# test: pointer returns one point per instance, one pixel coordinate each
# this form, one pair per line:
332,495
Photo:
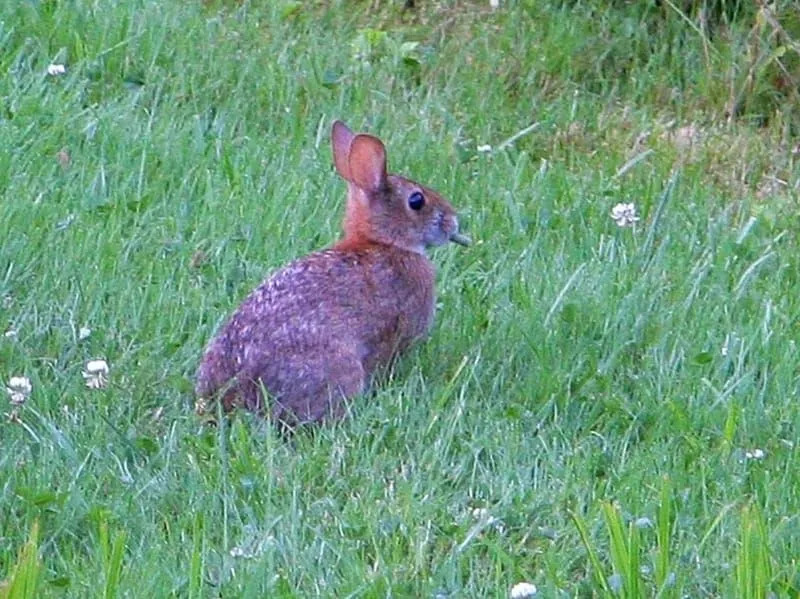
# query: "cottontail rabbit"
313,333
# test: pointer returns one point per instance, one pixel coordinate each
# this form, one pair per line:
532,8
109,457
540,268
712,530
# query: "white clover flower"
10,334
481,513
252,547
756,454
484,149
624,215
19,388
83,333
522,590
56,69
201,407
96,374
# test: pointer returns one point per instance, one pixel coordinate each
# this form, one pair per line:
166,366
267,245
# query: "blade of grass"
659,213
663,536
597,568
111,553
197,565
624,549
23,581
753,564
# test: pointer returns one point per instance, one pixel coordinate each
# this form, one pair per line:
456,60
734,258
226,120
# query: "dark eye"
416,201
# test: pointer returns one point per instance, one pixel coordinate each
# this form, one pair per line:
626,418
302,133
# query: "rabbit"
313,333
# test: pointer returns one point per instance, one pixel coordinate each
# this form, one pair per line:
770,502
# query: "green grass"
596,390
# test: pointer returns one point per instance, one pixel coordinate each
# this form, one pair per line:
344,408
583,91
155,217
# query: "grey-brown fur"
313,333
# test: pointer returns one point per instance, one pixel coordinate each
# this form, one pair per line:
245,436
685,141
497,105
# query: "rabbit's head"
384,208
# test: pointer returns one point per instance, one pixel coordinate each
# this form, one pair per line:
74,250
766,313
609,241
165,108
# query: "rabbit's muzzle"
445,228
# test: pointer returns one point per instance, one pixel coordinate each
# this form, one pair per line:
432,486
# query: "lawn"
600,410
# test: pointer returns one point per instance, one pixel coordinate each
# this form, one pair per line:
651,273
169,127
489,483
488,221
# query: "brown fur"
313,333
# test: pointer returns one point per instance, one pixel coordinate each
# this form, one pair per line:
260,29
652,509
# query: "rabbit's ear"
368,162
341,140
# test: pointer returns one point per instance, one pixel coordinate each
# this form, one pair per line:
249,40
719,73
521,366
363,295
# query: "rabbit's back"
320,325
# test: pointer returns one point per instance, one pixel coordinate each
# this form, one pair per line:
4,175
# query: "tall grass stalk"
753,562
24,578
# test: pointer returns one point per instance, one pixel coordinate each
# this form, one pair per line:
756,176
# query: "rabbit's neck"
360,232
356,243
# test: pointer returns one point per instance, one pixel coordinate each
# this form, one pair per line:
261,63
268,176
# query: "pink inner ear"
368,162
341,140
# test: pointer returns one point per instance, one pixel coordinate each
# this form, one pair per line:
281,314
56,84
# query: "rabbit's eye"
416,201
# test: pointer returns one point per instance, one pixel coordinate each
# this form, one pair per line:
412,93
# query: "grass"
586,412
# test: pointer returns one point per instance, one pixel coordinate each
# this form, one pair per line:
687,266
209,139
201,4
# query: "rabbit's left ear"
341,140
367,163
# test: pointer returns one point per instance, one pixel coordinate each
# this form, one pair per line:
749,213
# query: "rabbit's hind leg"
321,388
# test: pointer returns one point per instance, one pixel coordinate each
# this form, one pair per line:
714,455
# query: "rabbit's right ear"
341,140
